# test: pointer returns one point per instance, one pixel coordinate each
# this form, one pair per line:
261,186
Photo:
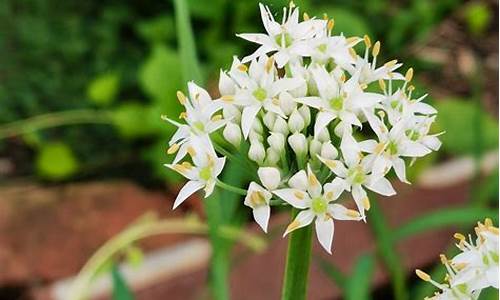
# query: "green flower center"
319,205
286,38
357,175
322,48
337,103
494,256
412,135
206,173
392,148
260,94
199,126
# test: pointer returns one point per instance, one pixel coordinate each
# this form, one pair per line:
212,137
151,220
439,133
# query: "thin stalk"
230,188
55,119
298,259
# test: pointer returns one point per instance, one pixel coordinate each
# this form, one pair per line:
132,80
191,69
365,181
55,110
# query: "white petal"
247,118
324,233
269,177
431,142
400,169
304,218
336,166
298,180
294,197
334,189
281,58
350,149
368,146
285,84
361,199
381,165
413,149
187,190
340,212
313,185
322,120
258,38
261,215
381,186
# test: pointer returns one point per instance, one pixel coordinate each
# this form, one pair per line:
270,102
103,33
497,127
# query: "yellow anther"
291,4
329,195
459,236
227,98
353,40
306,17
243,68
488,222
172,149
191,151
183,115
460,266
216,118
325,16
409,74
181,97
342,78
353,53
443,258
391,63
276,101
379,148
330,24
269,64
376,49
352,213
367,40
366,203
422,275
186,165
299,195
411,88
381,84
294,225
363,86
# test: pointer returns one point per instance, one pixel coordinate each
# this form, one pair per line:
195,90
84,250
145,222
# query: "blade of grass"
332,272
121,291
358,285
443,218
386,251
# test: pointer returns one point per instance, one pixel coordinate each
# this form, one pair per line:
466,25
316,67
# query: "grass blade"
332,272
358,285
121,291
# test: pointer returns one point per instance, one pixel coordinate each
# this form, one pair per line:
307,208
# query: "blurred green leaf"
160,76
210,10
442,218
489,294
103,89
347,21
457,118
121,291
134,120
332,272
56,161
134,256
358,285
478,17
158,29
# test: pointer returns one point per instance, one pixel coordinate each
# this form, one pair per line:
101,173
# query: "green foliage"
56,161
103,89
121,291
133,120
358,285
348,22
457,118
477,16
156,30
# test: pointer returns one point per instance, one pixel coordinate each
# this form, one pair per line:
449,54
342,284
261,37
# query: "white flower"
356,174
207,166
276,141
298,143
315,201
289,39
258,197
337,48
337,99
296,122
258,89
232,134
257,153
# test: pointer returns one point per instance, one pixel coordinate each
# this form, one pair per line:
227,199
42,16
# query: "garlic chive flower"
472,270
315,119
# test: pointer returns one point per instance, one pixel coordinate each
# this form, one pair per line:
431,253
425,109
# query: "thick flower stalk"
471,271
318,121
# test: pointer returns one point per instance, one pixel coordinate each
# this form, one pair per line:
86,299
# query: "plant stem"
298,259
55,119
230,188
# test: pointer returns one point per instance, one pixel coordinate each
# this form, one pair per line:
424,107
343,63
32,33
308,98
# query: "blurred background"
82,145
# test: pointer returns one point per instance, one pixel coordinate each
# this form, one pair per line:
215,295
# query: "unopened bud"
328,151
257,126
305,112
269,177
296,122
269,119
255,136
287,104
323,135
231,112
226,84
272,157
280,126
232,134
277,141
314,147
257,152
298,143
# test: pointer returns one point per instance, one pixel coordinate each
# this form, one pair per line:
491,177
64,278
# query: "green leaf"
160,78
103,89
332,272
477,17
443,218
56,161
358,285
134,120
457,118
121,291
155,30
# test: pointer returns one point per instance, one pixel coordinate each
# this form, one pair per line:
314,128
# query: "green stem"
298,259
230,188
55,119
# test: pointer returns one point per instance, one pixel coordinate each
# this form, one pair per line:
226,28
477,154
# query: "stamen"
409,75
243,68
367,40
376,49
227,98
191,151
181,97
172,149
306,17
422,275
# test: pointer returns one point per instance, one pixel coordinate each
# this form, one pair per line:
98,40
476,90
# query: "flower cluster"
474,269
315,119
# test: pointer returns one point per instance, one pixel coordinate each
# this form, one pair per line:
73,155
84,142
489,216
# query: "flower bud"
298,143
257,152
254,136
276,141
328,151
272,157
232,134
287,104
231,112
301,91
323,135
295,122
257,126
314,147
269,119
280,126
226,84
305,112
269,177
